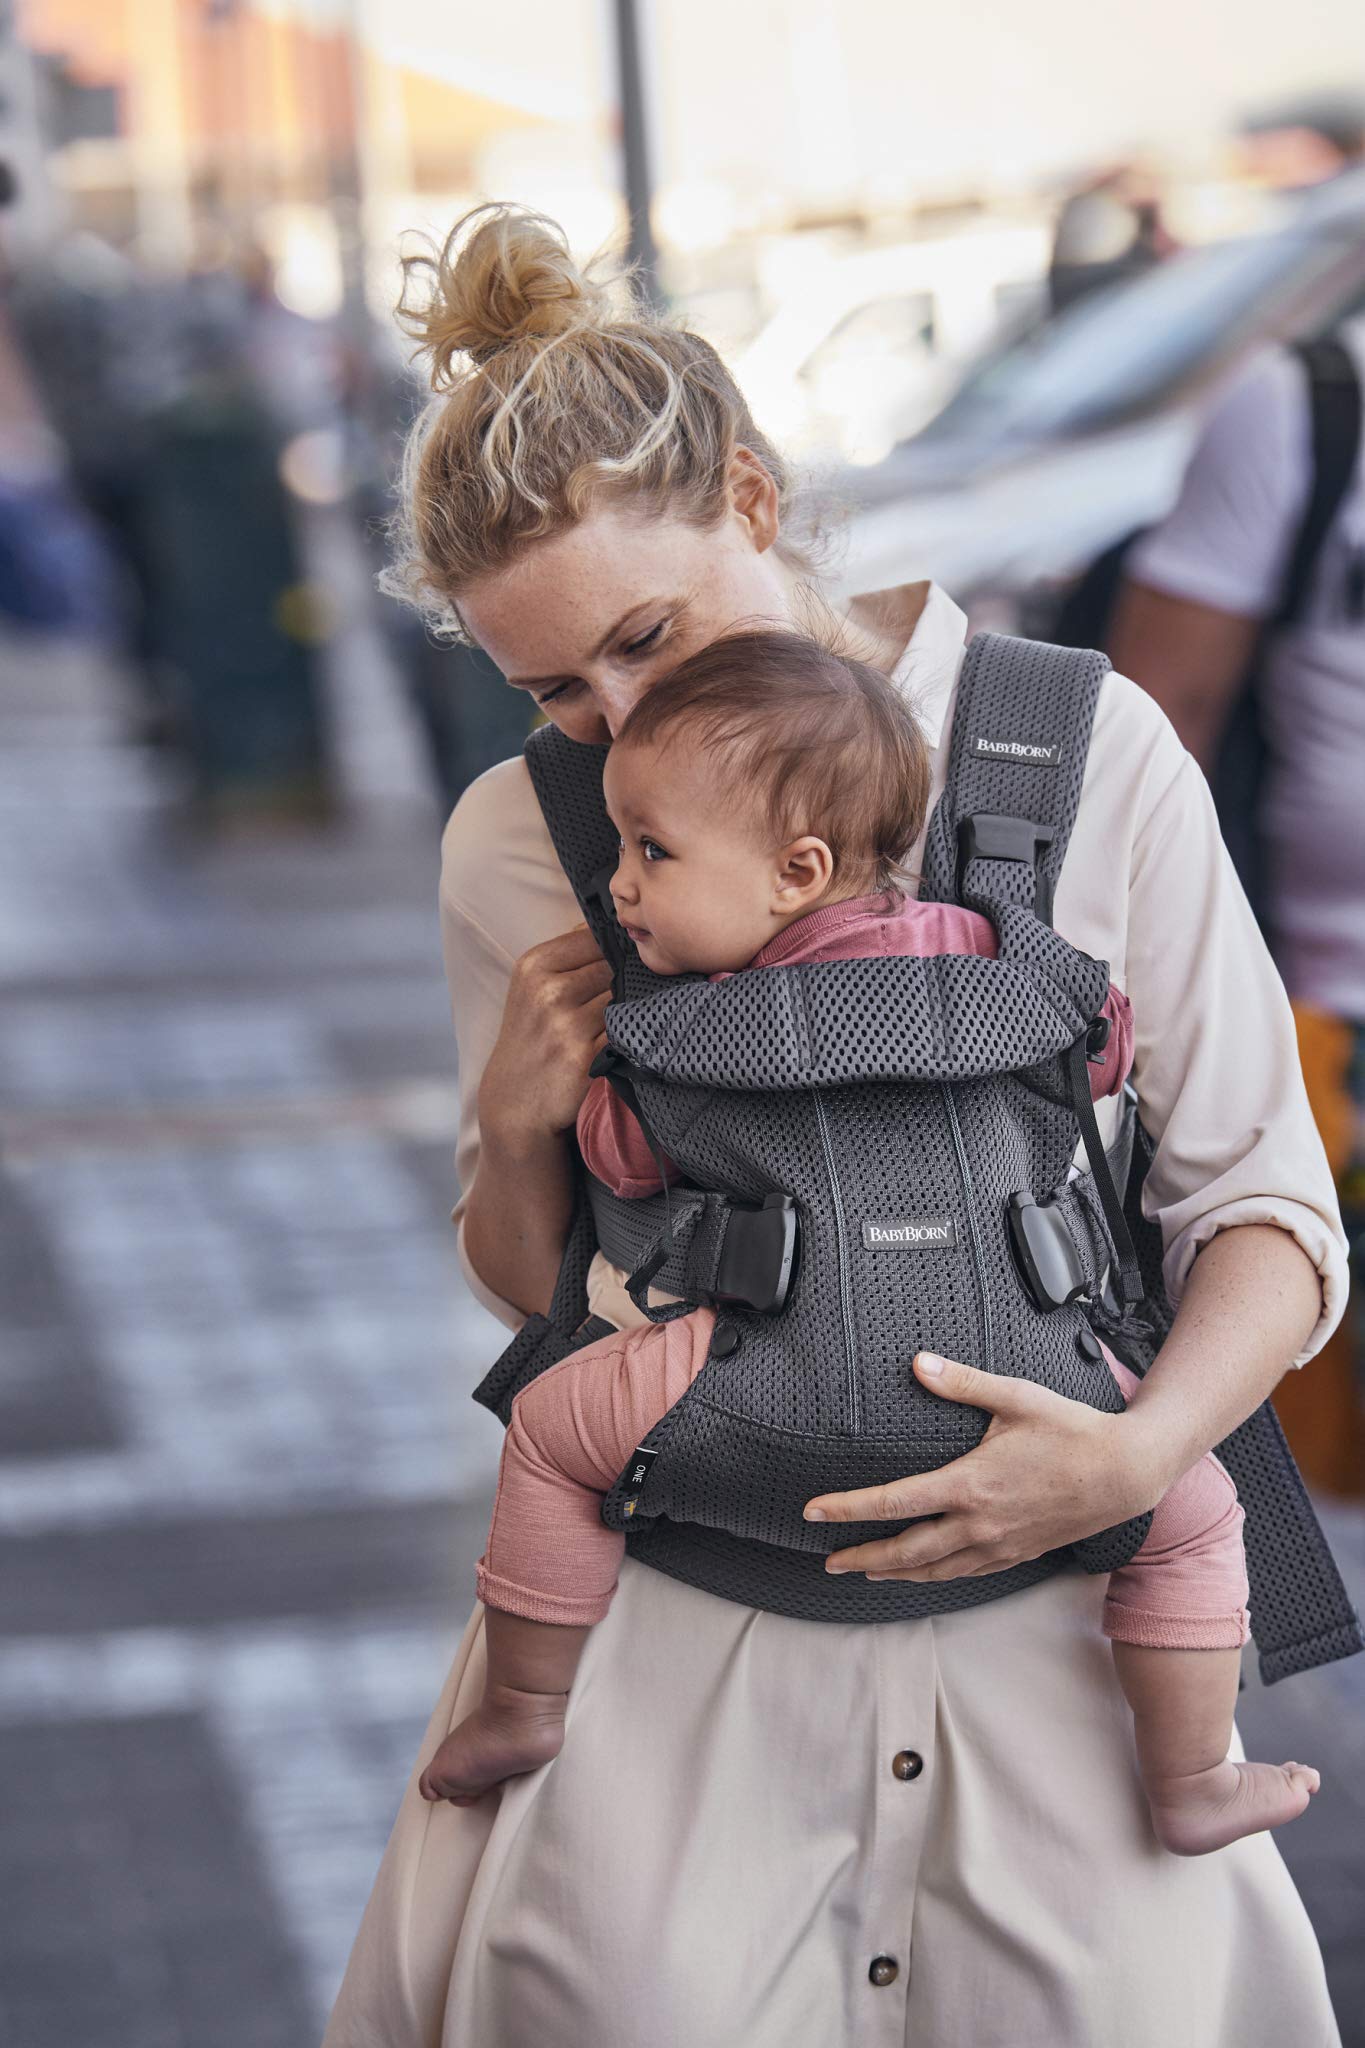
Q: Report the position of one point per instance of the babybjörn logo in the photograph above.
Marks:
(909, 1233)
(1020, 750)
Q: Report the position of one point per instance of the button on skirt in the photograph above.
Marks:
(732, 1851)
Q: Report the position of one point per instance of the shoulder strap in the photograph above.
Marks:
(1016, 761)
(1335, 417)
(566, 776)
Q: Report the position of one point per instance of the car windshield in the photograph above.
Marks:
(1129, 347)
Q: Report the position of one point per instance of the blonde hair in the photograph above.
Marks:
(553, 391)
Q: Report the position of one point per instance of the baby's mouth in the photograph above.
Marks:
(635, 932)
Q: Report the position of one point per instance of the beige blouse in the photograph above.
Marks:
(1147, 885)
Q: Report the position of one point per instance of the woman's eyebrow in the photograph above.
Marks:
(539, 682)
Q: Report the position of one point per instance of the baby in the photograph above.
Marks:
(766, 794)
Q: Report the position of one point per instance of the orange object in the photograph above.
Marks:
(1321, 1408)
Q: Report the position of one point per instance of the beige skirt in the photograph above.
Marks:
(734, 1836)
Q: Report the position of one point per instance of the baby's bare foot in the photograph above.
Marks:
(511, 1732)
(1209, 1809)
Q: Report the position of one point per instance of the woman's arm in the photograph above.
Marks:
(499, 876)
(518, 1210)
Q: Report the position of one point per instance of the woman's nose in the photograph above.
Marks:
(617, 696)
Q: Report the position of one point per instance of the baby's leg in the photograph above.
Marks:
(550, 1566)
(1176, 1615)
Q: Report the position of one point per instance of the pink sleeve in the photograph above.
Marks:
(613, 1145)
(1108, 1074)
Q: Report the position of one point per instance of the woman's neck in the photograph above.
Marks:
(873, 628)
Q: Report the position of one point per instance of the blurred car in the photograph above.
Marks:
(1056, 445)
(863, 347)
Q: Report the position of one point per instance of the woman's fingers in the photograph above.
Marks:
(910, 1549)
(929, 1493)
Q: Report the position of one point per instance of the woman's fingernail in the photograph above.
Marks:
(930, 1364)
(832, 1564)
(815, 1514)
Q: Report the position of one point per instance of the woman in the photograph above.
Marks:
(760, 1830)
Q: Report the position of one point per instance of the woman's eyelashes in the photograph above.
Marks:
(571, 683)
(645, 644)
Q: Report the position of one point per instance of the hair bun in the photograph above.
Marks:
(504, 275)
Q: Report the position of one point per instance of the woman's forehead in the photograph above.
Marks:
(551, 610)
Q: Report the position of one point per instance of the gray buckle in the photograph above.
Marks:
(1045, 1254)
(758, 1254)
(986, 835)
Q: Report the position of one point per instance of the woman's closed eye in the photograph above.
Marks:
(647, 642)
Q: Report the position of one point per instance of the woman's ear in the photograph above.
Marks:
(805, 868)
(754, 498)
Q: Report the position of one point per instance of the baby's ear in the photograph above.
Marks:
(805, 869)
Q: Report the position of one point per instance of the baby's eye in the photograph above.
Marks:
(651, 848)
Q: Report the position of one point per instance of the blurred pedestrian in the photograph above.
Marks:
(1302, 142)
(1109, 229)
(1243, 613)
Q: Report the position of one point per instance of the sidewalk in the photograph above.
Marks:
(242, 1485)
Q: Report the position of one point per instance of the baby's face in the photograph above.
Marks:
(699, 887)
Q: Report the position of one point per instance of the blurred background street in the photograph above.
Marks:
(989, 288)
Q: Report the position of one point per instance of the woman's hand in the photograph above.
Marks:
(537, 1072)
(1047, 1472)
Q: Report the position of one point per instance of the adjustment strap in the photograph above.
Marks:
(1129, 1288)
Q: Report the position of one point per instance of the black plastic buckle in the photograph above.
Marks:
(758, 1254)
(987, 836)
(1045, 1254)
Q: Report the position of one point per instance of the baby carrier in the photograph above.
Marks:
(877, 1158)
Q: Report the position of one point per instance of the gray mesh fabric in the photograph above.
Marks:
(900, 1102)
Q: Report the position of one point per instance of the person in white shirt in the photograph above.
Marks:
(1199, 589)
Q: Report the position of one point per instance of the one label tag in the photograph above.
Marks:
(637, 1473)
(1020, 750)
(909, 1233)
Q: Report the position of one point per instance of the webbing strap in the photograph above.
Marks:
(1129, 1279)
(1020, 735)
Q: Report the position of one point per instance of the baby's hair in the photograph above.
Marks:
(809, 740)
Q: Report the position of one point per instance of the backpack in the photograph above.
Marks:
(878, 1159)
(1334, 398)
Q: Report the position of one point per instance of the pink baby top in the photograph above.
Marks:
(863, 928)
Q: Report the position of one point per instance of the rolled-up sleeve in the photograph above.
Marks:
(1216, 1060)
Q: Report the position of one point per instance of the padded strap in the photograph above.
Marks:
(1021, 732)
(1335, 429)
